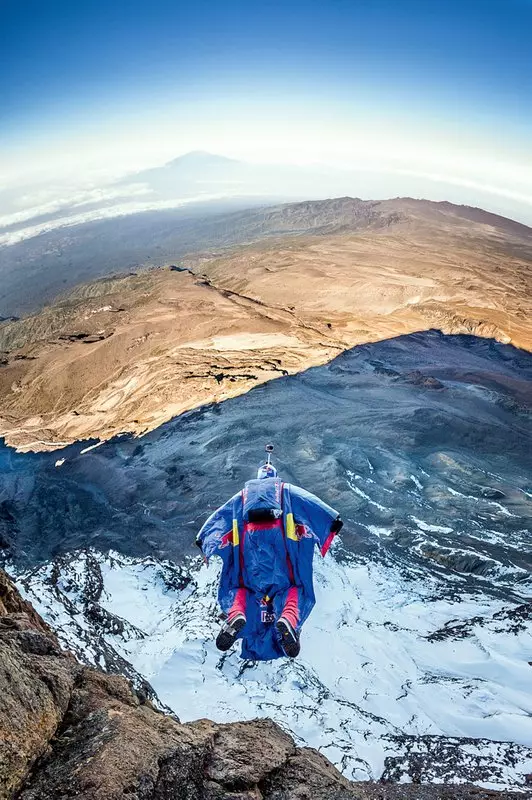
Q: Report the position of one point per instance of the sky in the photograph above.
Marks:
(439, 90)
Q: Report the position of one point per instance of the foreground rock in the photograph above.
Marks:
(70, 731)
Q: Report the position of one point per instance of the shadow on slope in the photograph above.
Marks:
(422, 442)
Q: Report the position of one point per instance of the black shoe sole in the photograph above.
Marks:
(289, 642)
(226, 638)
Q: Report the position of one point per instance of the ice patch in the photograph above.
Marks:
(416, 482)
(378, 531)
(357, 490)
(424, 526)
(92, 447)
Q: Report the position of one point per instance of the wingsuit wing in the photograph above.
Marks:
(220, 536)
(316, 516)
(216, 534)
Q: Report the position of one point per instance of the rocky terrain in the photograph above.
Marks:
(415, 660)
(398, 336)
(68, 731)
(126, 354)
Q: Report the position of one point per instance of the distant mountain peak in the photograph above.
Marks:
(199, 157)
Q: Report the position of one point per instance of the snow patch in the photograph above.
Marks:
(373, 675)
(424, 526)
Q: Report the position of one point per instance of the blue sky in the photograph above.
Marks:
(138, 82)
(472, 52)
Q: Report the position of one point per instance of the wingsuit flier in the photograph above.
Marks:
(266, 536)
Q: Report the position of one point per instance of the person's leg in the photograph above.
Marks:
(239, 604)
(290, 611)
(287, 623)
(236, 619)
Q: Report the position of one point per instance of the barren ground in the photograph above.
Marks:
(126, 354)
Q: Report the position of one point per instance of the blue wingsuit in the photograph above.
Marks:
(267, 561)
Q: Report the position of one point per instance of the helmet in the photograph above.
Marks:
(267, 471)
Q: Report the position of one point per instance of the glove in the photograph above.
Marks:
(337, 525)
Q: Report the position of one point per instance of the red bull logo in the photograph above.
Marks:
(266, 612)
(226, 540)
(302, 532)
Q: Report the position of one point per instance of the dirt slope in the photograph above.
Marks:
(127, 354)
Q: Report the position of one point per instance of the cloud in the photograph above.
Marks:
(455, 180)
(68, 202)
(120, 210)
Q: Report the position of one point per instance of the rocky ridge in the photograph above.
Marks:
(67, 730)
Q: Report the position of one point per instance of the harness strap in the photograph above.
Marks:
(288, 561)
(240, 548)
